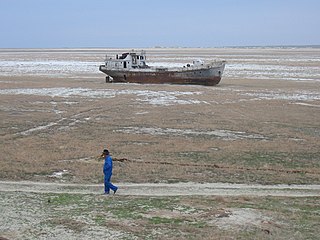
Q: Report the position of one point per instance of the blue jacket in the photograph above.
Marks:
(107, 167)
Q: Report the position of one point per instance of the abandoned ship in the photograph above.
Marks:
(131, 67)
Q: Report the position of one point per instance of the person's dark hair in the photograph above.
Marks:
(106, 151)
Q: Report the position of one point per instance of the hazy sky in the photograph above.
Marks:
(149, 23)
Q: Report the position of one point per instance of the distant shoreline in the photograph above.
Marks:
(157, 47)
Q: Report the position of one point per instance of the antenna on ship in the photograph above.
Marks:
(143, 53)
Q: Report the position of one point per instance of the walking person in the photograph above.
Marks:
(107, 171)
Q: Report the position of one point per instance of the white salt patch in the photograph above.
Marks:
(240, 218)
(285, 96)
(151, 97)
(47, 67)
(141, 113)
(223, 134)
(63, 125)
(267, 71)
(59, 174)
(39, 128)
(60, 92)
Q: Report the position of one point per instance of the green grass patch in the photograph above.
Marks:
(164, 220)
(100, 219)
(65, 199)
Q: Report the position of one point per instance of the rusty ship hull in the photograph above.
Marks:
(207, 75)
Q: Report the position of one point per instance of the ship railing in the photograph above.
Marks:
(182, 68)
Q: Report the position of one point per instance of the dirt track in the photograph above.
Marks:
(164, 189)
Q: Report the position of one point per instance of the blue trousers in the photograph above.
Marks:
(108, 184)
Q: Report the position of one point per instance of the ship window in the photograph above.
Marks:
(141, 58)
(137, 57)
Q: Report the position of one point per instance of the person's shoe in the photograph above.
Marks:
(114, 192)
(106, 193)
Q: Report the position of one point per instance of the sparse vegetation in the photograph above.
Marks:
(136, 217)
(261, 131)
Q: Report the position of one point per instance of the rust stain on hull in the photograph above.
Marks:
(208, 77)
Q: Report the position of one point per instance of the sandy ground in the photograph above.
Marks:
(56, 109)
(255, 135)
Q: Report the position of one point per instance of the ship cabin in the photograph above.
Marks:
(127, 61)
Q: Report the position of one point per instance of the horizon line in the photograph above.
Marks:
(170, 47)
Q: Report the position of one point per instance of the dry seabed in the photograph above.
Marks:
(237, 160)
